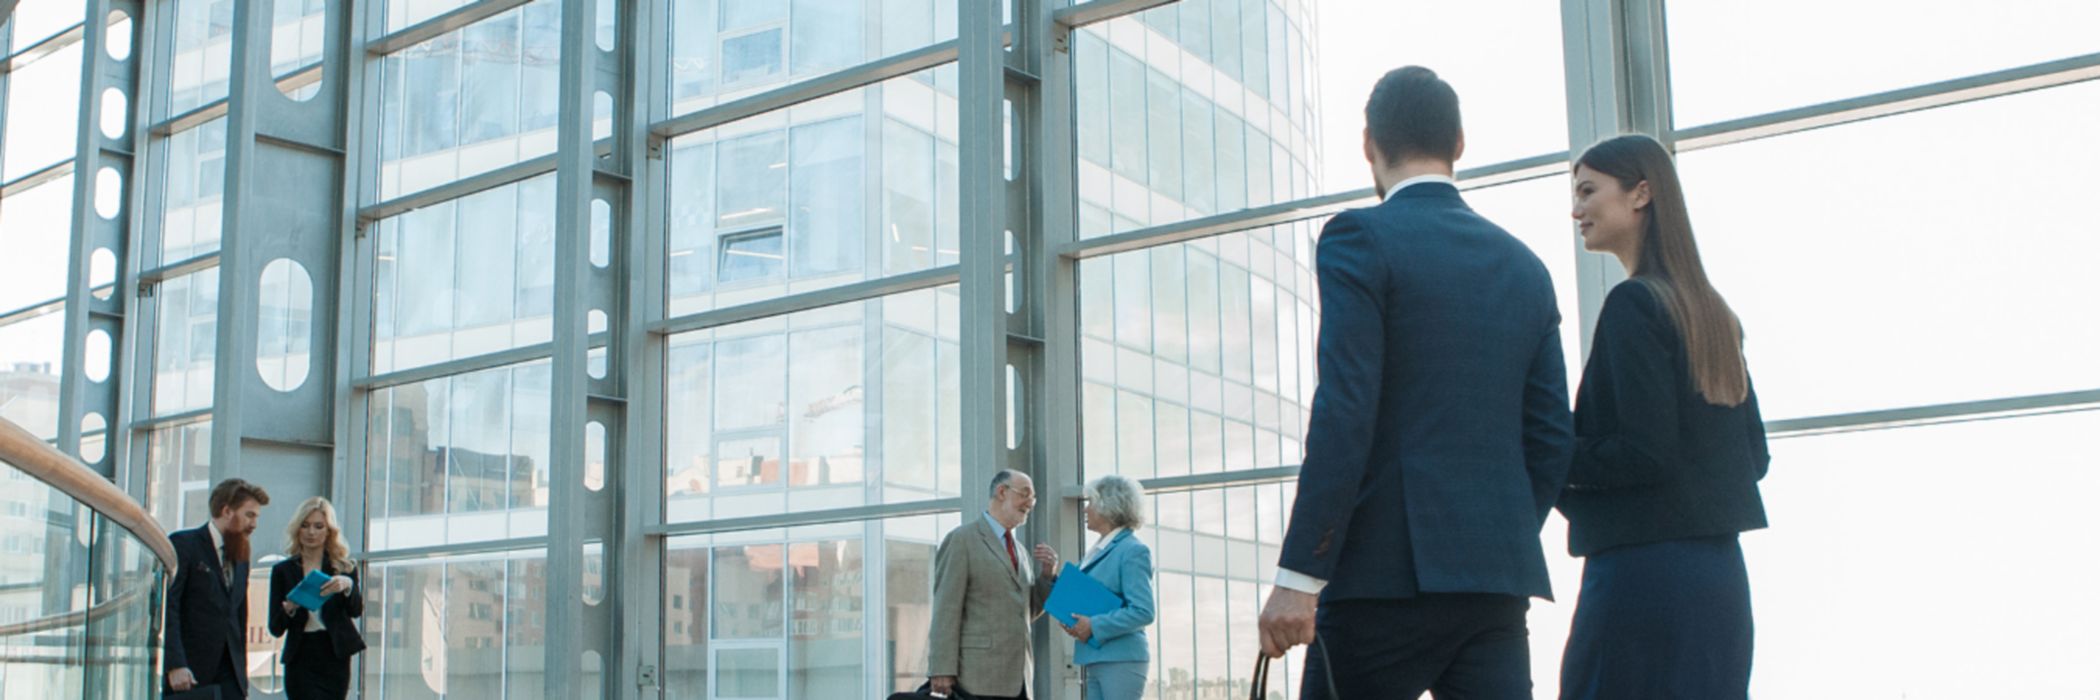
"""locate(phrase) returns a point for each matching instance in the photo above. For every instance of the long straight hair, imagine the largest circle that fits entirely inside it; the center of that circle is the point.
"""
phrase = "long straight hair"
(1669, 266)
(333, 549)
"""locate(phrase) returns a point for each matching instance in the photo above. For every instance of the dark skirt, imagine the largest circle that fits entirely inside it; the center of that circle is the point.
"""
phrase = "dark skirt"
(1661, 620)
(316, 672)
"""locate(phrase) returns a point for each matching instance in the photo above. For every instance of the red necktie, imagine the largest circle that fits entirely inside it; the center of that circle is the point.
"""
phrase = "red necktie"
(1010, 556)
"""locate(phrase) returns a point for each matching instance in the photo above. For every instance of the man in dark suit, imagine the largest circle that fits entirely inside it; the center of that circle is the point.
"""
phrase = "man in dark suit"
(207, 618)
(1440, 433)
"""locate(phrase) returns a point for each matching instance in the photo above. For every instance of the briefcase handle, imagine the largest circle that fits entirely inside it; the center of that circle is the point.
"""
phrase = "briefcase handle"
(1261, 678)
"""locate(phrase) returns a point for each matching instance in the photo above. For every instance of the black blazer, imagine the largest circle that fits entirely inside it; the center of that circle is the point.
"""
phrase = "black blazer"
(206, 618)
(1440, 431)
(1654, 461)
(338, 613)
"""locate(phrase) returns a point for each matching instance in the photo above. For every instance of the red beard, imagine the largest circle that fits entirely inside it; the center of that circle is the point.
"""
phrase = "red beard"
(236, 546)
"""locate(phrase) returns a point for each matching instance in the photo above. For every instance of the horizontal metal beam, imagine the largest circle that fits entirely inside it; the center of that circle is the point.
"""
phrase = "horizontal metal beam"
(814, 299)
(1510, 171)
(43, 48)
(440, 25)
(197, 116)
(1220, 224)
(451, 551)
(36, 310)
(179, 268)
(1988, 409)
(1198, 482)
(816, 517)
(171, 420)
(467, 365)
(812, 89)
(1949, 92)
(1103, 10)
(456, 189)
(40, 176)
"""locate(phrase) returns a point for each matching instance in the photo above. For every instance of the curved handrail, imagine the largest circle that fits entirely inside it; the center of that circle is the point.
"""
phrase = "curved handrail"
(44, 462)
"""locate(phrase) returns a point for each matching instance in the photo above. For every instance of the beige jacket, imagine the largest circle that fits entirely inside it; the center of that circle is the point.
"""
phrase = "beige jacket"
(982, 609)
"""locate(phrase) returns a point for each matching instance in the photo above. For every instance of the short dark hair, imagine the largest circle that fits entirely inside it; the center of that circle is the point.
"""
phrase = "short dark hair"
(231, 493)
(1413, 114)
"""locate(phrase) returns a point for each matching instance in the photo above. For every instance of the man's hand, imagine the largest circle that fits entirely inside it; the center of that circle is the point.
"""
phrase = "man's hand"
(1082, 628)
(180, 680)
(1287, 621)
(1048, 558)
(943, 685)
(335, 585)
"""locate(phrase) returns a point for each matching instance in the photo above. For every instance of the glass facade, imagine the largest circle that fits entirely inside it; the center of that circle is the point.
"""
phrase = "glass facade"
(652, 419)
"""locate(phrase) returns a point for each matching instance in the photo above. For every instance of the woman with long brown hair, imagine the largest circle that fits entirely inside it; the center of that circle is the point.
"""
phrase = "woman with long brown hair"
(318, 643)
(1669, 447)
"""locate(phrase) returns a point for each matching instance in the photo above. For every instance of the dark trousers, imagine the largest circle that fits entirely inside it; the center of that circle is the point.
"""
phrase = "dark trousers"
(1459, 646)
(315, 671)
(1662, 620)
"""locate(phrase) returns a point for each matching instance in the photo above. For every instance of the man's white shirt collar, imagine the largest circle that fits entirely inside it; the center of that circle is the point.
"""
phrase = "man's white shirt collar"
(218, 540)
(1419, 180)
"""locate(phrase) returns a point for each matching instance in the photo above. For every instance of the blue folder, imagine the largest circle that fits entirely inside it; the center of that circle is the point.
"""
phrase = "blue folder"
(1078, 593)
(308, 594)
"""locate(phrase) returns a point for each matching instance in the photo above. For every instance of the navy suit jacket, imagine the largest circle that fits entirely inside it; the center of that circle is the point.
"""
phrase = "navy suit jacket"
(1440, 434)
(206, 619)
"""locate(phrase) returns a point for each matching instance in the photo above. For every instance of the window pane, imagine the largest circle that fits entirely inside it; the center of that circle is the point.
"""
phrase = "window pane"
(187, 342)
(202, 54)
(43, 112)
(826, 219)
(465, 278)
(1838, 613)
(471, 101)
(32, 359)
(461, 459)
(192, 191)
(825, 36)
(1995, 273)
(459, 627)
(810, 171)
(788, 404)
(35, 232)
(751, 58)
(1503, 57)
(36, 20)
(1736, 59)
(178, 462)
(752, 256)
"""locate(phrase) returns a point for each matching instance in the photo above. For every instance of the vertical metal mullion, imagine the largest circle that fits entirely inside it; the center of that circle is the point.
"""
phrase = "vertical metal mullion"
(1617, 81)
(638, 649)
(361, 156)
(1050, 285)
(981, 92)
(153, 28)
(569, 410)
(235, 330)
(86, 224)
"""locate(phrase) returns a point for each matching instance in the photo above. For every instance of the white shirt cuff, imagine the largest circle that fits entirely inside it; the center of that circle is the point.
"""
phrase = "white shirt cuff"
(1299, 582)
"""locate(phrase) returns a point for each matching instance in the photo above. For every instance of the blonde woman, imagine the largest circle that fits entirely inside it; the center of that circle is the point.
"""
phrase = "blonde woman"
(318, 644)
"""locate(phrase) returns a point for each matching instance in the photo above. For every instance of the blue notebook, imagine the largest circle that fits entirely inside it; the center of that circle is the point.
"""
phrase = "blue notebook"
(308, 594)
(1078, 593)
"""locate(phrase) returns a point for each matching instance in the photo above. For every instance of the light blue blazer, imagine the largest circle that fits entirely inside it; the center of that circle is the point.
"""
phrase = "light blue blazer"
(1125, 567)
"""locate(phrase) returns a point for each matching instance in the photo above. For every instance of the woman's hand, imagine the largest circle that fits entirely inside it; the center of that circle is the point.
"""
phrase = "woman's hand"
(335, 585)
(1082, 629)
(290, 608)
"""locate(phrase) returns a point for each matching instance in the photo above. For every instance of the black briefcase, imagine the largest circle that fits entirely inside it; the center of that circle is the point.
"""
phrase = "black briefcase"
(925, 692)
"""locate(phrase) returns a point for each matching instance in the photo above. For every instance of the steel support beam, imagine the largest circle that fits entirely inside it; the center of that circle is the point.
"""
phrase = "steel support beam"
(981, 101)
(1618, 81)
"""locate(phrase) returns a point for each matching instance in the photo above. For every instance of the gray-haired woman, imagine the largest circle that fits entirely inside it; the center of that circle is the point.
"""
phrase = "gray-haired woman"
(1112, 646)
